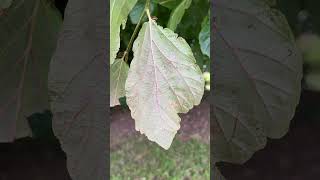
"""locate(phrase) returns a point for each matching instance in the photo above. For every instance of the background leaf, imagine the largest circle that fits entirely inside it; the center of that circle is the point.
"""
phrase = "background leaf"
(119, 11)
(171, 4)
(190, 27)
(28, 36)
(163, 80)
(217, 174)
(204, 36)
(177, 14)
(138, 9)
(4, 4)
(79, 76)
(118, 76)
(257, 77)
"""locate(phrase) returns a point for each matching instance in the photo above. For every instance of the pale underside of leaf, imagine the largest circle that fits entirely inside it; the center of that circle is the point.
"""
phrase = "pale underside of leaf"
(78, 76)
(119, 11)
(257, 76)
(118, 75)
(28, 35)
(163, 80)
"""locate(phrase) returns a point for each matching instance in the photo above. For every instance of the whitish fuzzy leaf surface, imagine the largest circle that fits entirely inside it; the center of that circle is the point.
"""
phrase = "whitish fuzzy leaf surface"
(257, 74)
(28, 34)
(163, 80)
(78, 77)
(178, 13)
(204, 36)
(118, 75)
(119, 11)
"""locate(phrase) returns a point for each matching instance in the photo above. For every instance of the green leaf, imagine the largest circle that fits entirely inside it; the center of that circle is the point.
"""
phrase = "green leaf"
(204, 36)
(78, 77)
(257, 78)
(309, 45)
(192, 19)
(118, 76)
(216, 174)
(203, 61)
(271, 2)
(138, 9)
(190, 25)
(119, 11)
(313, 80)
(28, 38)
(163, 81)
(4, 4)
(171, 4)
(178, 13)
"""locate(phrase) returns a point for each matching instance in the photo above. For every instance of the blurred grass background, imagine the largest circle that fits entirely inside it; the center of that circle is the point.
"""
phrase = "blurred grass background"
(140, 159)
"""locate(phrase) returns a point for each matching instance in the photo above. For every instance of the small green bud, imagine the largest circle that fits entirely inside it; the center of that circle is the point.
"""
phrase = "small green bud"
(207, 87)
(206, 76)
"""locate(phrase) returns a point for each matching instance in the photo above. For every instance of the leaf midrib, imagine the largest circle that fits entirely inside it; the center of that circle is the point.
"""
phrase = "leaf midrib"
(175, 68)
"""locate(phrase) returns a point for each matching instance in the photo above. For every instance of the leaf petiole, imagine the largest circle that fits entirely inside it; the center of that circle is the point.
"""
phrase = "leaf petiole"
(148, 14)
(136, 29)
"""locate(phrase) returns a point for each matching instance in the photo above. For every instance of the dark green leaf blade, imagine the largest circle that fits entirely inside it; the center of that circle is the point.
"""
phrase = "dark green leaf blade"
(4, 4)
(138, 9)
(178, 13)
(204, 36)
(171, 4)
(118, 76)
(119, 11)
(217, 174)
